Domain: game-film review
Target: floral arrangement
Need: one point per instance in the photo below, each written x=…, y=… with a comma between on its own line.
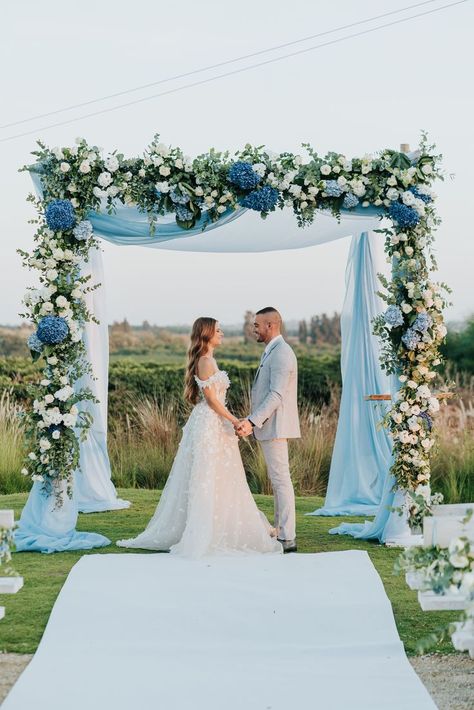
x=79, y=179
x=418, y=504
x=7, y=544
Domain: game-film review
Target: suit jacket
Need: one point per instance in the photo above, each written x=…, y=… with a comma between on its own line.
x=275, y=395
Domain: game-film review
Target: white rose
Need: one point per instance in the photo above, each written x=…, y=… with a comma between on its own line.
x=404, y=407
x=406, y=308
x=24, y=472
x=427, y=169
x=424, y=392
x=45, y=445
x=433, y=405
x=178, y=163
x=58, y=153
x=69, y=420
x=142, y=172
x=53, y=360
x=49, y=399
x=62, y=302
x=304, y=205
x=64, y=167
x=112, y=164
x=408, y=198
x=427, y=444
x=409, y=251
x=37, y=477
x=221, y=209
x=403, y=378
x=51, y=274
x=98, y=192
x=397, y=417
x=74, y=410
x=199, y=192
x=404, y=437
x=260, y=169
x=295, y=190
x=85, y=167
x=104, y=179
x=392, y=194
x=113, y=190
x=164, y=170
x=392, y=181
x=32, y=456
x=47, y=307
x=394, y=239
x=76, y=293
x=412, y=384
x=56, y=434
x=442, y=330
x=325, y=169
x=415, y=410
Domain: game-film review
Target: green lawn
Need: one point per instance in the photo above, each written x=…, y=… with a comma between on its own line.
x=27, y=612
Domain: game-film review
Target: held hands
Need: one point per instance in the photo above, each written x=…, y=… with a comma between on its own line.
x=243, y=428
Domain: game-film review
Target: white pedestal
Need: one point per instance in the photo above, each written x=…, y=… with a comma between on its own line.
x=429, y=601
x=10, y=585
x=2, y=612
x=7, y=518
x=457, y=509
x=441, y=529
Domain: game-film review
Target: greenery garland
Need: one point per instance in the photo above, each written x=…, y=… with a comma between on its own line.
x=77, y=180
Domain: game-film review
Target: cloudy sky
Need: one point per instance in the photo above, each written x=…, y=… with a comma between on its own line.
x=355, y=96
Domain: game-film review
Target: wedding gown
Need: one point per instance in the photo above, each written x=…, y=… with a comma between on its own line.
x=206, y=506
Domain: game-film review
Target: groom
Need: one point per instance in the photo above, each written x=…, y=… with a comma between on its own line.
x=274, y=417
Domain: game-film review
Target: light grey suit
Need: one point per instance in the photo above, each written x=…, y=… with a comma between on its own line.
x=275, y=419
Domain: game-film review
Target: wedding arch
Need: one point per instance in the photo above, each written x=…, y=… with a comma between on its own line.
x=167, y=200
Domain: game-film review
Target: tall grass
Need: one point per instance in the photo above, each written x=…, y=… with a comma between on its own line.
x=11, y=445
x=144, y=441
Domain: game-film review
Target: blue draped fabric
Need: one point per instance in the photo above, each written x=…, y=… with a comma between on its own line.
x=129, y=226
x=362, y=449
x=46, y=527
x=386, y=525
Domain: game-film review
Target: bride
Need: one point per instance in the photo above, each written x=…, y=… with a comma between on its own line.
x=206, y=506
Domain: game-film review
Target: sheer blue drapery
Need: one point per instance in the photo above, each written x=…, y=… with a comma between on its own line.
x=362, y=450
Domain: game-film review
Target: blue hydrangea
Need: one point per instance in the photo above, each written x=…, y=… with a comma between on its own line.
x=243, y=175
x=403, y=215
x=350, y=200
x=426, y=417
x=179, y=198
x=423, y=321
x=393, y=316
x=83, y=230
x=420, y=195
x=183, y=214
x=60, y=215
x=34, y=343
x=263, y=200
x=411, y=339
x=333, y=189
x=52, y=330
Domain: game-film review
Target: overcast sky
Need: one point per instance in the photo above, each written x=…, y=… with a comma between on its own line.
x=355, y=97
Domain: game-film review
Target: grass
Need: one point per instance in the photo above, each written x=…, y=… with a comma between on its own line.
x=28, y=611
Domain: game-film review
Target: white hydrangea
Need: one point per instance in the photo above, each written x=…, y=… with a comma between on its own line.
x=392, y=194
x=69, y=420
x=163, y=187
x=45, y=444
x=64, y=393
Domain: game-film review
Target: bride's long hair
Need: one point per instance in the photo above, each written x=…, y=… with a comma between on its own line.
x=201, y=334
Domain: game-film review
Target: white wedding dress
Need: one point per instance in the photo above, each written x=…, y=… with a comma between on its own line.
x=206, y=506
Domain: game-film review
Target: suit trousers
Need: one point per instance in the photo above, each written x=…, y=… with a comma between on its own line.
x=275, y=452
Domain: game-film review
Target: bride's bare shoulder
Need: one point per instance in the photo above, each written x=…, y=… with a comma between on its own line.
x=206, y=367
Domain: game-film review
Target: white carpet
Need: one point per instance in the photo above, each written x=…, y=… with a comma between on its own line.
x=156, y=632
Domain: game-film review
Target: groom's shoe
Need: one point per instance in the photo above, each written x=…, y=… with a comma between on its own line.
x=288, y=545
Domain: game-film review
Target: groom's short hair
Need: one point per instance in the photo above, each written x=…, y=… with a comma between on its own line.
x=267, y=310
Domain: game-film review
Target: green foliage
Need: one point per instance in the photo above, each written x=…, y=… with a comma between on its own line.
x=459, y=348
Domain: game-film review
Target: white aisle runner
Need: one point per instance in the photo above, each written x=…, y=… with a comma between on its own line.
x=156, y=632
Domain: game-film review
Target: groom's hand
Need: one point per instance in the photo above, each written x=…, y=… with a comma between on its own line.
x=244, y=428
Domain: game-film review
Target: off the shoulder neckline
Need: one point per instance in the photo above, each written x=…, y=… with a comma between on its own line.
x=210, y=379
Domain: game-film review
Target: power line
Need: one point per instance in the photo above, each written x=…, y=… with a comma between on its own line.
x=216, y=66
x=231, y=73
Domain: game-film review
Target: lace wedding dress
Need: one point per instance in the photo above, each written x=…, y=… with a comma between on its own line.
x=206, y=506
